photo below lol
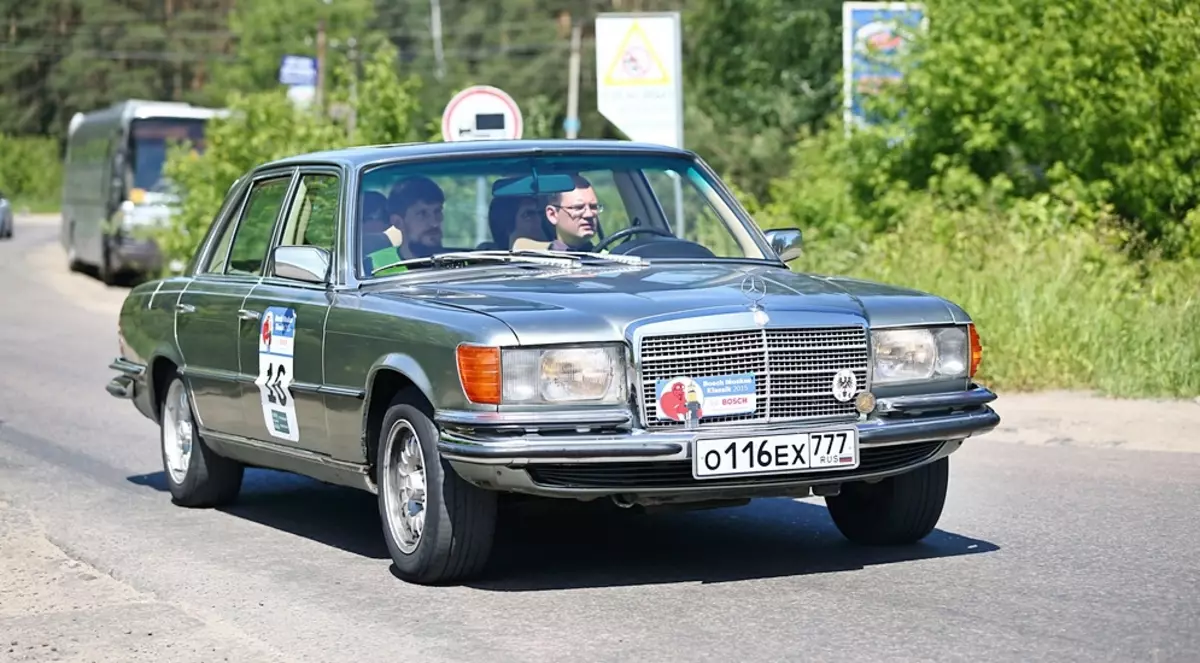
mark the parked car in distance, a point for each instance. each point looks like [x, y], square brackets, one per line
[6, 217]
[446, 324]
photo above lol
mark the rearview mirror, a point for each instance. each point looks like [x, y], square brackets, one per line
[787, 242]
[528, 186]
[302, 263]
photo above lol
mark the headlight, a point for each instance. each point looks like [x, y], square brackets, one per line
[910, 355]
[530, 376]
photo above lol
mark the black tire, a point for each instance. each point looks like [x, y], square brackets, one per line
[902, 509]
[73, 262]
[210, 479]
[107, 274]
[459, 518]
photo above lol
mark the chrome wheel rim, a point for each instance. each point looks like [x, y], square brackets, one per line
[178, 432]
[404, 486]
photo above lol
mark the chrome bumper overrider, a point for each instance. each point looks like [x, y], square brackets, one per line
[122, 385]
[896, 421]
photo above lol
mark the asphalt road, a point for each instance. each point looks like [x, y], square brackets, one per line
[1051, 547]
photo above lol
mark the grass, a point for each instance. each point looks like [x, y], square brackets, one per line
[1058, 306]
[22, 205]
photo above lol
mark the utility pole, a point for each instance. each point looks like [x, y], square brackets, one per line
[435, 27]
[353, 120]
[572, 123]
[320, 92]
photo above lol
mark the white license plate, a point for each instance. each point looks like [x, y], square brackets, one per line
[775, 454]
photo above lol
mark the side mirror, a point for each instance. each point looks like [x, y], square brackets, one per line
[787, 242]
[302, 263]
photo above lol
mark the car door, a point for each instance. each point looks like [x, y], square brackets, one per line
[282, 335]
[207, 314]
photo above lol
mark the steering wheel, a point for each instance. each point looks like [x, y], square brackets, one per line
[632, 230]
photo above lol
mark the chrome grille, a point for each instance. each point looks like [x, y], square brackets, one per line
[793, 369]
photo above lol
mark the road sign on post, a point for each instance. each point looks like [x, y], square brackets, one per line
[298, 70]
[639, 75]
[299, 74]
[481, 112]
[639, 80]
[873, 36]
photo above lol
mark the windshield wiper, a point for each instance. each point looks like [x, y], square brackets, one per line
[578, 256]
[468, 257]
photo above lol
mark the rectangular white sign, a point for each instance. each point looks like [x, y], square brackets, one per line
[639, 75]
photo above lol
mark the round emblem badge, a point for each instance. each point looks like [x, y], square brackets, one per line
[845, 385]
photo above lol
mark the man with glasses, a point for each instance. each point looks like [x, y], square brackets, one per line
[575, 216]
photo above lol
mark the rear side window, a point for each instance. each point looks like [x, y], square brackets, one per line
[312, 219]
[253, 238]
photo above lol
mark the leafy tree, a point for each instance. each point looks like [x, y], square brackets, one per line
[266, 125]
[1079, 96]
[267, 30]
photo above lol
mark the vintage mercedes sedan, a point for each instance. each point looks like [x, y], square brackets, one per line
[447, 324]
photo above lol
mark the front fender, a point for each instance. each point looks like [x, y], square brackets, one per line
[407, 367]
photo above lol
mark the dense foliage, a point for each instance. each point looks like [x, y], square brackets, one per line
[1039, 164]
[1099, 97]
[266, 125]
[30, 170]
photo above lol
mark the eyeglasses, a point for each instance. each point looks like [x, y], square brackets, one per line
[577, 210]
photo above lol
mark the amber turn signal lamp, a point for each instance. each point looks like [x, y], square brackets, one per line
[976, 349]
[479, 373]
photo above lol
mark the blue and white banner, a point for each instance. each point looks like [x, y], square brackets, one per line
[873, 35]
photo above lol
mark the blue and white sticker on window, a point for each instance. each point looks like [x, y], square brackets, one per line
[276, 350]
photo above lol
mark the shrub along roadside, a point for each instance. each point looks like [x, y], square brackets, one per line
[265, 126]
[1058, 301]
[31, 172]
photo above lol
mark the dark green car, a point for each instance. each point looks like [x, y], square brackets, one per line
[444, 324]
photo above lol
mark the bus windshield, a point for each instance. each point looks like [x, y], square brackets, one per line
[149, 141]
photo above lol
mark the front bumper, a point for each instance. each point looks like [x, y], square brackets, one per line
[902, 433]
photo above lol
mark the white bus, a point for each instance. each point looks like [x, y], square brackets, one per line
[113, 181]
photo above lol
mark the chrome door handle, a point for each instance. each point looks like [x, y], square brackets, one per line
[246, 314]
[185, 308]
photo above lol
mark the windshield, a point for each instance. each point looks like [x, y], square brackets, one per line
[653, 207]
[149, 139]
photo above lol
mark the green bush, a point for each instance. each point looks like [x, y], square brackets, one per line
[1059, 301]
[266, 126]
[1102, 98]
[30, 170]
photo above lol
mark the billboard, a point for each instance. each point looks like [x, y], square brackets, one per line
[873, 35]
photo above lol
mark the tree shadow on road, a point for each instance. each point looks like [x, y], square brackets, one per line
[551, 544]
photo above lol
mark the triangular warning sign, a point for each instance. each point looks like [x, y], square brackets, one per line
[635, 62]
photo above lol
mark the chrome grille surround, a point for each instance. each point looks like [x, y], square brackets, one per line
[793, 367]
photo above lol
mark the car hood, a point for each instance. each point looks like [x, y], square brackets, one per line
[601, 303]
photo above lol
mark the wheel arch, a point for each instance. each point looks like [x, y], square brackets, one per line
[394, 375]
[162, 365]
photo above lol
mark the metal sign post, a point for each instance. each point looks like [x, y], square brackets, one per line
[639, 80]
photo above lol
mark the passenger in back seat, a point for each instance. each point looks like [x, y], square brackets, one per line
[513, 217]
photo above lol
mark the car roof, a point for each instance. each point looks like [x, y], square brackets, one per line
[357, 156]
